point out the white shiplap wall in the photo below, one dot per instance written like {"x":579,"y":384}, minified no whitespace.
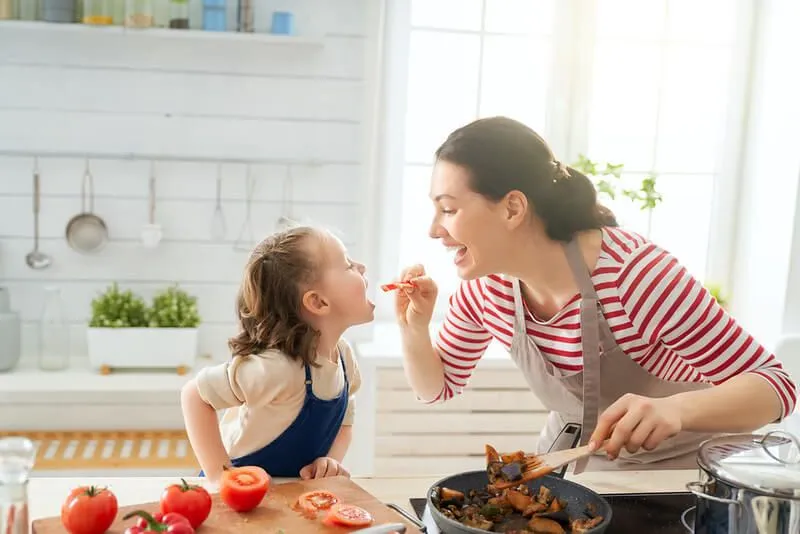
{"x":113,"y":93}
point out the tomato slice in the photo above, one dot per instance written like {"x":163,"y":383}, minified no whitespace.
{"x":317,"y":500}
{"x":349,"y":515}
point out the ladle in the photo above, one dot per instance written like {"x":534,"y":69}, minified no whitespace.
{"x":35,"y":258}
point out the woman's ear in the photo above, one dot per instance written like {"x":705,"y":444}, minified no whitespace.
{"x":515,"y":205}
{"x":315,"y":303}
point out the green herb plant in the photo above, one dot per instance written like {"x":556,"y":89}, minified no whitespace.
{"x":118,"y":309}
{"x":607,"y":178}
{"x":170,"y":308}
{"x":174,"y":308}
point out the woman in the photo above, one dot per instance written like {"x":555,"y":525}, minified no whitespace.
{"x":609,"y":330}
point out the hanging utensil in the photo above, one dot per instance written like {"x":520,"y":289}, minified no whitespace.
{"x":247,"y":227}
{"x":286,"y":220}
{"x":86,"y":232}
{"x":151,"y":232}
{"x":37,"y":259}
{"x":218,"y":228}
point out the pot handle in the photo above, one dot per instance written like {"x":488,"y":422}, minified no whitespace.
{"x":699,"y":490}
{"x":789,"y":438}
{"x":685,"y":522}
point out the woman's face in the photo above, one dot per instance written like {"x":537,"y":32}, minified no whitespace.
{"x":475,"y":229}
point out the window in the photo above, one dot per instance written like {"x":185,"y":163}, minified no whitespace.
{"x":653,"y":85}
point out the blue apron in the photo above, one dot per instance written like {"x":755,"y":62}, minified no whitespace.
{"x":310,"y":436}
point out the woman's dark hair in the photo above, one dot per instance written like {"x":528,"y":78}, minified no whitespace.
{"x":270,"y":298}
{"x":504,"y":155}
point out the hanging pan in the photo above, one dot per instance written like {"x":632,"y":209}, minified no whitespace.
{"x":86,"y":232}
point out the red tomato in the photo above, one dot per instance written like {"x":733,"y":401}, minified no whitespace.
{"x":89,"y":510}
{"x":348,"y":515}
{"x":313,"y":501}
{"x":243,"y":488}
{"x":192,"y":502}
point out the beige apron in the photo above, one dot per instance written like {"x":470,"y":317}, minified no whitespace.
{"x":606,"y":376}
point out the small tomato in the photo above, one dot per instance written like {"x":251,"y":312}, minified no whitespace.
{"x":89,"y":510}
{"x":190,"y":501}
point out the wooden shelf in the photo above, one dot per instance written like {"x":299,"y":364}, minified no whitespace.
{"x":162,"y":33}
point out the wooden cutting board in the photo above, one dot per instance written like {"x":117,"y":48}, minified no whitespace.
{"x":273,"y":514}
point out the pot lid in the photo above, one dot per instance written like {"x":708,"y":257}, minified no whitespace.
{"x":764,"y":463}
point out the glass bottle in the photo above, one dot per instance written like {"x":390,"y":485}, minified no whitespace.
{"x":100,"y":12}
{"x":215,"y":15}
{"x":161,"y":10}
{"x":28,"y":10}
{"x":53,"y":333}
{"x":6,"y":9}
{"x":245,"y":16}
{"x":58,"y":10}
{"x":179,"y":14}
{"x":139,"y":13}
{"x":17,"y":456}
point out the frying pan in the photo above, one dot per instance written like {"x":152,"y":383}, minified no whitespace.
{"x":576,"y":496}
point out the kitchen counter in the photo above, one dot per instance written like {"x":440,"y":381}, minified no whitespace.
{"x":47,"y":493}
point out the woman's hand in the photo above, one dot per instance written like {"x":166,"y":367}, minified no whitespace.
{"x":414,"y":306}
{"x":636,"y":422}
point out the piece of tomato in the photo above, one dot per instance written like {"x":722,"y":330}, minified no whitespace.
{"x":243,"y":488}
{"x":190,"y":501}
{"x":348,"y":515}
{"x":316,"y":500}
{"x":89,"y":510}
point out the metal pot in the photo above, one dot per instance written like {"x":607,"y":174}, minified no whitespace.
{"x":751,"y":485}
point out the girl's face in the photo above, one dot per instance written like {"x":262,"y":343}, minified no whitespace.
{"x":475,"y":229}
{"x":342,"y":285}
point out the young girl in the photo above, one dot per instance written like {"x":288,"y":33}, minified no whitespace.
{"x":288,"y":390}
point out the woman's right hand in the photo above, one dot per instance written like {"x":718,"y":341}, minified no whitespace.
{"x":414,"y":306}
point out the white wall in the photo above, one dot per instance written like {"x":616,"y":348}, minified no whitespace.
{"x":766,"y":266}
{"x":100,"y":92}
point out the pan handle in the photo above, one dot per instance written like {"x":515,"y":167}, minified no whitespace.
{"x":568,"y":438}
{"x":413,"y":520}
{"x":386,"y":528}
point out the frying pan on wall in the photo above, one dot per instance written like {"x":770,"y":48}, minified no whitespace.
{"x":578,"y":498}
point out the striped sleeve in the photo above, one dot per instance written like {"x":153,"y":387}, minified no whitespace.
{"x":669,"y":306}
{"x":462,"y":340}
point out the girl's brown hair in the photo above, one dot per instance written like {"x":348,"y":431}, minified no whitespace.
{"x":270,"y":298}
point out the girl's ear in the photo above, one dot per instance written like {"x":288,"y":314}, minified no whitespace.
{"x":315,"y":303}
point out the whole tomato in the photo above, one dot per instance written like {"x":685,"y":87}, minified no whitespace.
{"x":243,"y":488}
{"x":190,"y":501}
{"x":89,"y":510}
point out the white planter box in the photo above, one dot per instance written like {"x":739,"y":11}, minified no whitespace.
{"x":142,"y":348}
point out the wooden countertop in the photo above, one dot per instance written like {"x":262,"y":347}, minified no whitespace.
{"x":45,"y":494}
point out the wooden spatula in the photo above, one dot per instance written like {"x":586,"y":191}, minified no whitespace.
{"x":535,"y":466}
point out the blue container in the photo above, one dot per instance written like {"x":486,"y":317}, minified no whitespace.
{"x":215,"y":15}
{"x":282,"y":23}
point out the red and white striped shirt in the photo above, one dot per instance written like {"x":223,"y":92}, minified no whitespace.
{"x":660,"y":315}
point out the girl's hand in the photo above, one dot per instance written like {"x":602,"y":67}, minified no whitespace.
{"x":414,"y":306}
{"x":636,"y":422}
{"x":323,"y":467}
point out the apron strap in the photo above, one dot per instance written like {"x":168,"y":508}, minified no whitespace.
{"x":590,"y":344}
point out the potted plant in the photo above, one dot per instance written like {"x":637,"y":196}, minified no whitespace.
{"x":608,"y":180}
{"x":125,"y":333}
